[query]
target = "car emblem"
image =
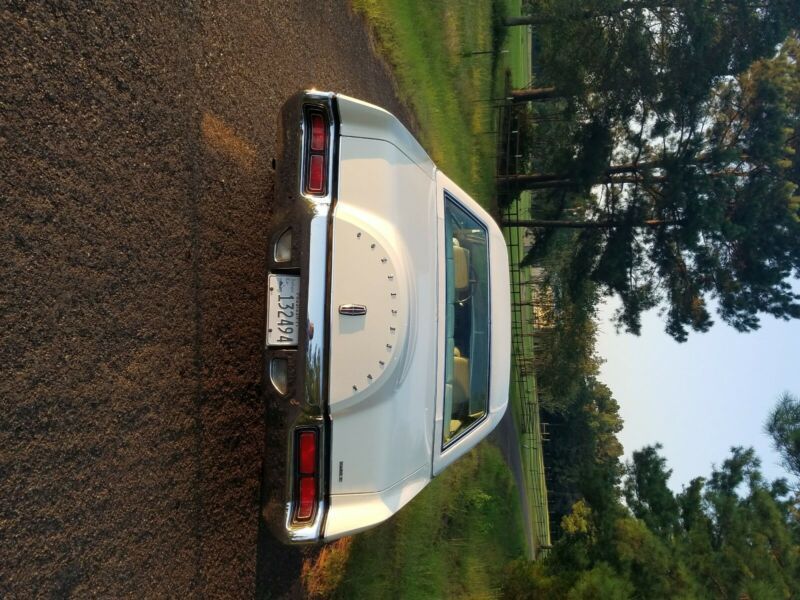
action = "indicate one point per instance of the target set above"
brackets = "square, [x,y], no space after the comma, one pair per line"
[352,310]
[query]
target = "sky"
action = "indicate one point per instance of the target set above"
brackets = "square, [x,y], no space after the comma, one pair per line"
[701,397]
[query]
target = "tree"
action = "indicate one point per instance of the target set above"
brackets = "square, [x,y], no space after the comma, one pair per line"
[646,491]
[783,425]
[601,582]
[741,15]
[583,455]
[534,94]
[705,203]
[735,538]
[752,549]
[622,47]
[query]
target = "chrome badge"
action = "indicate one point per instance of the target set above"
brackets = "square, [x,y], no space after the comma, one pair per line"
[352,310]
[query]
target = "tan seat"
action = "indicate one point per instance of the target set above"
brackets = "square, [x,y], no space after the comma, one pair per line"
[461,264]
[460,380]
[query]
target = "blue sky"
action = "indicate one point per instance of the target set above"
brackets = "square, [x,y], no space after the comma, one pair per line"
[701,397]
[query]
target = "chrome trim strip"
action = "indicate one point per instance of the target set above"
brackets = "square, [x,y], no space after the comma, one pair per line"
[309,405]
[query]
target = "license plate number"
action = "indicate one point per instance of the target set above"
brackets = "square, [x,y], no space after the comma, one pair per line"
[283,310]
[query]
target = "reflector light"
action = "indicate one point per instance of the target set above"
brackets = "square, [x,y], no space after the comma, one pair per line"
[283,247]
[316,173]
[308,452]
[308,496]
[317,132]
[279,374]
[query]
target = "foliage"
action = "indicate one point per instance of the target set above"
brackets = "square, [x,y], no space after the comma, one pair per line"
[569,356]
[600,582]
[647,494]
[524,580]
[783,425]
[578,521]
[583,453]
[729,536]
[677,115]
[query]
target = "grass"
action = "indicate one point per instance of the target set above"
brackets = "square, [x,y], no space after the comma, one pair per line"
[448,89]
[452,541]
[518,46]
[523,395]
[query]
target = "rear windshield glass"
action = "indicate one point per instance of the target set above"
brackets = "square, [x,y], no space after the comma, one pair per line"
[466,360]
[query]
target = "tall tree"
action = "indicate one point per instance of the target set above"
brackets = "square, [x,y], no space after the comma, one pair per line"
[704,202]
[783,425]
[734,539]
[647,493]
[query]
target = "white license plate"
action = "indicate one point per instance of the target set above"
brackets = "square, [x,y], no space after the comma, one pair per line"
[283,310]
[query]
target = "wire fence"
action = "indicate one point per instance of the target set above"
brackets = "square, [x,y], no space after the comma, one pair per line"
[525,401]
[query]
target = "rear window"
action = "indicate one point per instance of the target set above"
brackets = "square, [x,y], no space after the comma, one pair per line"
[466,396]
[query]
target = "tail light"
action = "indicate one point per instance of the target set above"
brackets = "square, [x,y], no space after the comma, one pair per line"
[307,473]
[318,132]
[316,158]
[308,452]
[307,499]
[316,174]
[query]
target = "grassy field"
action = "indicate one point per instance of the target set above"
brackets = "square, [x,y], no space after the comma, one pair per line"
[523,392]
[431,47]
[518,47]
[452,541]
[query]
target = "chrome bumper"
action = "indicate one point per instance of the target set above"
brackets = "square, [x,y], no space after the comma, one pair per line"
[304,404]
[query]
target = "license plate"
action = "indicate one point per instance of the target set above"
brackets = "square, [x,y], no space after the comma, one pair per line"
[283,310]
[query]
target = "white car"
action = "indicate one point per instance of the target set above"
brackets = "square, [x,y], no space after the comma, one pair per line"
[388,333]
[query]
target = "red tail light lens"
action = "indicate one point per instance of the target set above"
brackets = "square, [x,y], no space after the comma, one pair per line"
[308,453]
[308,497]
[317,155]
[307,449]
[317,133]
[316,173]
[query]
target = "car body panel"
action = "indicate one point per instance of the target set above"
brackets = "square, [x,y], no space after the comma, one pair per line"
[384,257]
[352,513]
[361,119]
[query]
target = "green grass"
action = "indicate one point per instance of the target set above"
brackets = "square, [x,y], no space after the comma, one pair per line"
[449,91]
[524,402]
[452,541]
[518,46]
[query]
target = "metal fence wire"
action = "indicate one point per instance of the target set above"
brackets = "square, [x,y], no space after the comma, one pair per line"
[524,283]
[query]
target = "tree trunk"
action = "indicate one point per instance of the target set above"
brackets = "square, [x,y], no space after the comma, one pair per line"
[529,20]
[548,224]
[535,20]
[534,94]
[631,173]
[525,179]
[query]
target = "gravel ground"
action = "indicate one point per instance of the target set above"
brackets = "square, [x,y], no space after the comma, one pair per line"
[136,141]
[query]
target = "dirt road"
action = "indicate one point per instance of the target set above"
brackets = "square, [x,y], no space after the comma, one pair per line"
[136,143]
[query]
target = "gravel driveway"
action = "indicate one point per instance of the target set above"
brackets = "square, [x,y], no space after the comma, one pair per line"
[136,143]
